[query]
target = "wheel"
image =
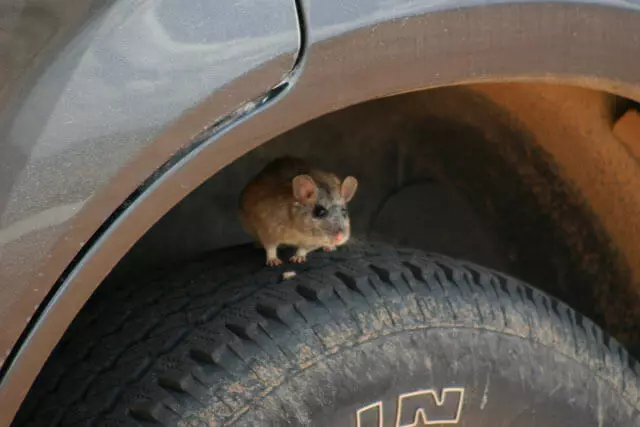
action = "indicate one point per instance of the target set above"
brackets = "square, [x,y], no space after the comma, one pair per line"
[367,336]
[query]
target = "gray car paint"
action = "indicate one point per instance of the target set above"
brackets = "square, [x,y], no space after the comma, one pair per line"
[117,84]
[356,30]
[88,88]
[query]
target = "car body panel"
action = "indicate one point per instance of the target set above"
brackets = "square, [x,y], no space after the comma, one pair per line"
[109,103]
[355,52]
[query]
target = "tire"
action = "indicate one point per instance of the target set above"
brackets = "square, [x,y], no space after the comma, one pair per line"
[368,336]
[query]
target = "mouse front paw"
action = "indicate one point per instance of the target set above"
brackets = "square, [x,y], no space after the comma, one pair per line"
[329,248]
[298,259]
[273,262]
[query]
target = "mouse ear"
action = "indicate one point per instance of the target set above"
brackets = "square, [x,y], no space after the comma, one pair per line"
[304,189]
[348,188]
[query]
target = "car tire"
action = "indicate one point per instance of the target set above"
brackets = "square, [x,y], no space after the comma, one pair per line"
[368,336]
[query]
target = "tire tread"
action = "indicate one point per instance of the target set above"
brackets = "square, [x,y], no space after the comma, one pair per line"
[225,337]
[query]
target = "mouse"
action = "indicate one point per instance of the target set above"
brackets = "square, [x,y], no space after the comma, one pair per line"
[292,203]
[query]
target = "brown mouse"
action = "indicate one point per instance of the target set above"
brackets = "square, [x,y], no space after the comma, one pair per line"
[291,203]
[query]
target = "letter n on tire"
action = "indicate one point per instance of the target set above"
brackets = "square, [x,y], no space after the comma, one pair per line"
[425,407]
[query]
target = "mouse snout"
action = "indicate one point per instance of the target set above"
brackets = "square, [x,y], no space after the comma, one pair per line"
[337,228]
[340,236]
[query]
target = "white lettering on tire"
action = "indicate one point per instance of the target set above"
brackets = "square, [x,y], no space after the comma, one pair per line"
[364,415]
[420,415]
[417,408]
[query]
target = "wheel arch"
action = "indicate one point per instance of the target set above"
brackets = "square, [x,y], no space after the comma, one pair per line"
[590,47]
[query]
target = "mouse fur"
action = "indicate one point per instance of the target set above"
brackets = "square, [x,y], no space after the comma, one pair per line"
[291,203]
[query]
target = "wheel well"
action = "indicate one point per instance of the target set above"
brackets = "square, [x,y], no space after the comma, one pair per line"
[522,177]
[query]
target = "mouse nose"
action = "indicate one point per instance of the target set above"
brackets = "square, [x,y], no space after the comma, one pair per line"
[339,236]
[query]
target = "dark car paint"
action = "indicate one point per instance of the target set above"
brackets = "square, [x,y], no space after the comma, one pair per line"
[110,103]
[356,51]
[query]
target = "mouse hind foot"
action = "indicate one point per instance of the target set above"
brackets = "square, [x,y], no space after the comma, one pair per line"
[300,257]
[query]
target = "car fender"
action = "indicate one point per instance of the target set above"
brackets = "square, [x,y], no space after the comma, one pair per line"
[98,98]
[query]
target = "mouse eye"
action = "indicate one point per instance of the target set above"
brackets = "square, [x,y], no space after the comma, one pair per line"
[319,211]
[345,213]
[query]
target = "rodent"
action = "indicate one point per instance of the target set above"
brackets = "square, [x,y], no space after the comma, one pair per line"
[291,203]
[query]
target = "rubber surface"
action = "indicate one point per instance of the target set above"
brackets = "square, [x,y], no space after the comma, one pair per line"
[390,334]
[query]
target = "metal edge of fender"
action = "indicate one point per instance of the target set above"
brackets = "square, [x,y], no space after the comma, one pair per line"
[204,138]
